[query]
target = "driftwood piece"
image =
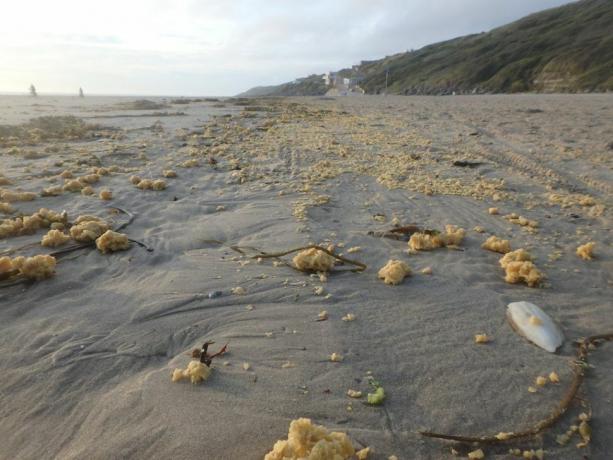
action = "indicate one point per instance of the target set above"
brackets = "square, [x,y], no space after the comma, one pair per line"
[400,233]
[265,255]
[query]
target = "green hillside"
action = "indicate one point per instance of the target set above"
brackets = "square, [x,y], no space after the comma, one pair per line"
[312,85]
[564,49]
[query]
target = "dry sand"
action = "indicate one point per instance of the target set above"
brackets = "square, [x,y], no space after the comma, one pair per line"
[86,356]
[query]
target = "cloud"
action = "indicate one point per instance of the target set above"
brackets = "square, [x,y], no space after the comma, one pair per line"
[220,48]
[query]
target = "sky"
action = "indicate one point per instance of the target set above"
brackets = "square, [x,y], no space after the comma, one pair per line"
[220,47]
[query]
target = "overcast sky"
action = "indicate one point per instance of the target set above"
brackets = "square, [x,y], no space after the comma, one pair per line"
[219,47]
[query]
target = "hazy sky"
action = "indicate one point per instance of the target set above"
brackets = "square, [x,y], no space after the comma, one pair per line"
[221,47]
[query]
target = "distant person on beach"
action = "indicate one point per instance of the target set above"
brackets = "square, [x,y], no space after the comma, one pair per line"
[81,92]
[33,91]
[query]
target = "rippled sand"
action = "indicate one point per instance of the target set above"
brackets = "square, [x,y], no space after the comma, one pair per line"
[86,356]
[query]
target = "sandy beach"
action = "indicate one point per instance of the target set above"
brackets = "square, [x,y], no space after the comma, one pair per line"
[86,355]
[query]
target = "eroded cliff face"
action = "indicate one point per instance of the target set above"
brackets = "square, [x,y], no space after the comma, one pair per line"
[559,75]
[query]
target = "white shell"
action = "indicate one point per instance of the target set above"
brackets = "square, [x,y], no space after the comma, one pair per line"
[545,333]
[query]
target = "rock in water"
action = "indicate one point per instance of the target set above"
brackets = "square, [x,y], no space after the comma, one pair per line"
[535,325]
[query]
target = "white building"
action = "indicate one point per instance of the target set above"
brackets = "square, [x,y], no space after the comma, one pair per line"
[332,79]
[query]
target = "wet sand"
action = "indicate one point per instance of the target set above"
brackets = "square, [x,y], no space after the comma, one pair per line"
[86,356]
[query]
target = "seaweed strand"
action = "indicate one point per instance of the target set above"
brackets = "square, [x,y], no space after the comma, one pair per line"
[579,365]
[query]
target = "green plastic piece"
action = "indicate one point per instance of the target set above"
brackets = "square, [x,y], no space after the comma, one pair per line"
[377,397]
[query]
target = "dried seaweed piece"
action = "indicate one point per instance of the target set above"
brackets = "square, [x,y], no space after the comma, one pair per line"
[360,265]
[467,164]
[203,355]
[52,216]
[401,233]
[579,366]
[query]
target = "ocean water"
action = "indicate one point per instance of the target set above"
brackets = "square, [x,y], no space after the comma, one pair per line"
[113,110]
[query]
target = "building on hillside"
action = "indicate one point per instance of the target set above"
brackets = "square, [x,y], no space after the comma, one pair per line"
[332,78]
[353,81]
[342,86]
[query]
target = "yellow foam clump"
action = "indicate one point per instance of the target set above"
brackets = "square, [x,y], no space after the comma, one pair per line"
[453,236]
[36,268]
[72,186]
[520,220]
[145,184]
[6,267]
[482,338]
[54,238]
[493,243]
[519,268]
[190,163]
[11,196]
[586,251]
[27,225]
[425,242]
[52,191]
[159,184]
[313,442]
[519,255]
[100,171]
[516,272]
[88,228]
[89,179]
[111,241]
[195,372]
[148,184]
[87,191]
[394,272]
[554,377]
[6,208]
[313,259]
